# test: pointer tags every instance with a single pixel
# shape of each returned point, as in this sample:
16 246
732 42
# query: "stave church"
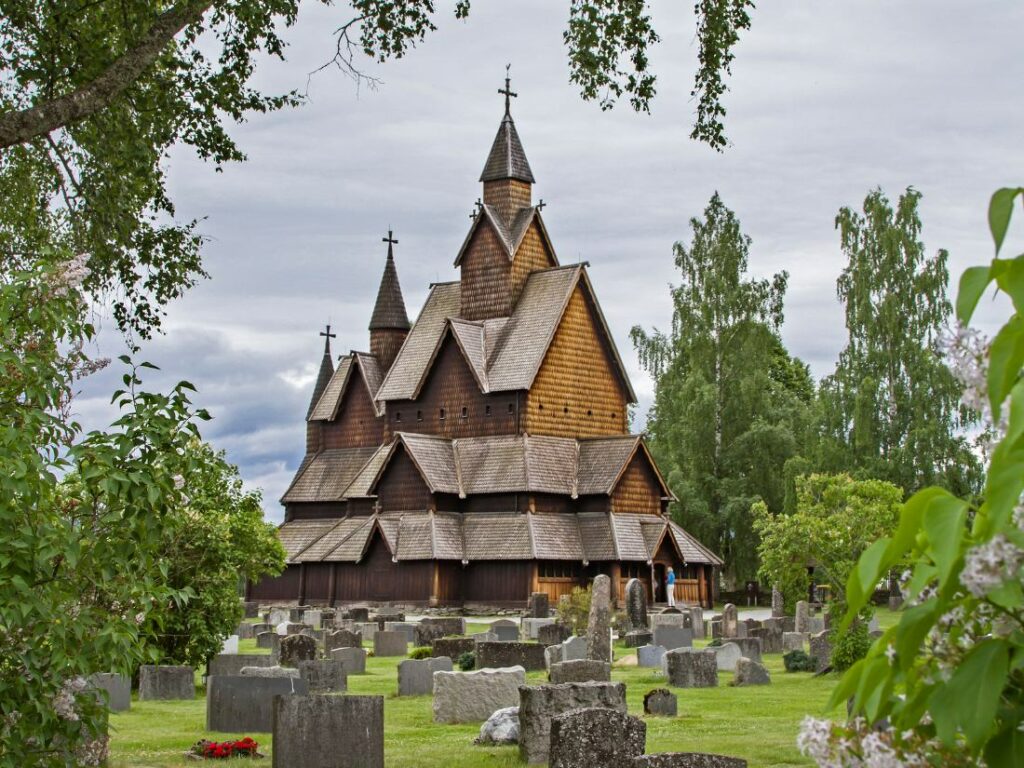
482 453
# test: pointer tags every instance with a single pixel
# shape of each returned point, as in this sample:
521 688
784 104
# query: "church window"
487 410
565 409
419 415
465 411
555 570
510 411
442 414
398 416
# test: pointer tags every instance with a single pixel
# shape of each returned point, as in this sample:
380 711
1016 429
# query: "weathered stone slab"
529 656
726 656
278 616
595 738
118 690
166 683
390 643
260 627
505 630
295 614
803 617
450 625
793 641
416 676
359 613
686 760
778 603
245 631
328 731
453 647
296 648
250 609
368 629
539 606
730 622
553 634
342 638
636 604
352 659
575 648
532 626
749 646
313 617
650 656
821 650
230 665
751 673
599 624
274 671
697 620
409 630
661 702
236 704
538 704
637 637
670 637
580 671
691 668
500 728
324 675
552 655
468 697
270 640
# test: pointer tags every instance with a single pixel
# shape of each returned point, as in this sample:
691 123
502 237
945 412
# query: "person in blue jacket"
670 586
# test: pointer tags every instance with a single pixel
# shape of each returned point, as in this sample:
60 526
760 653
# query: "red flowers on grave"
220 750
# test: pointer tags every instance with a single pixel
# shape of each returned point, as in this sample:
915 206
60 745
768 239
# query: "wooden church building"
483 452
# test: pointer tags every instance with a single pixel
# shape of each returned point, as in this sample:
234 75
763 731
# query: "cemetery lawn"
758 724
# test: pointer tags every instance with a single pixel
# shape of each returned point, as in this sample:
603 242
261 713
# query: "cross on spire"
507 90
541 205
390 240
327 339
476 209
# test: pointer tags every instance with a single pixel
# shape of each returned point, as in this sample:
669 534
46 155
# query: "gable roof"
507 159
603 461
329 403
510 234
327 474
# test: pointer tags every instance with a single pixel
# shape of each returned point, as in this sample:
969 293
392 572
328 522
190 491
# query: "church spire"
325 373
389 323
507 159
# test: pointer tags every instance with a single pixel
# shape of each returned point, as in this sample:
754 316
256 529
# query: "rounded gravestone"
595 737
750 672
296 648
661 702
636 604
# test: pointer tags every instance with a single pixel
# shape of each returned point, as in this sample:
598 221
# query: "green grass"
758 724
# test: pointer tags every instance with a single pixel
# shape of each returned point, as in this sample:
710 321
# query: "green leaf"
861 584
945 523
973 283
970 699
1000 209
914 626
1006 355
1006 749
1010 280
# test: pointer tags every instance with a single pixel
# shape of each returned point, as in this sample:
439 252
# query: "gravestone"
686 760
750 673
278 616
821 650
770 637
251 609
552 655
230 644
273 671
324 675
295 614
452 625
599 641
452 647
650 656
270 640
595 738
789 624
484 637
352 659
636 604
778 603
236 704
691 668
468 697
661 702
359 614
328 731
730 623
425 634
505 630
726 656
803 617
793 641
531 627
529 656
166 683
118 690
416 676
230 665
293 628
538 704
261 627
697 621
670 638
296 648
580 671
409 630
245 631
749 647
368 629
553 634
390 644
670 609
314 618
342 638
500 729
637 637
539 606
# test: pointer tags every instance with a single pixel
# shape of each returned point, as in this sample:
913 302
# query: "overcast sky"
828 100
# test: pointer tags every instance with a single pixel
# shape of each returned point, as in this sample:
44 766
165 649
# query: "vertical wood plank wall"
638 490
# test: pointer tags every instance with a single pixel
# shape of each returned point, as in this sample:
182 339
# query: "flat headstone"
532 627
469 697
342 638
295 614
553 633
599 644
245 631
691 668
293 628
450 625
274 671
697 620
793 641
390 644
552 655
714 627
324 675
636 604
313 618
236 704
402 626
250 609
821 650
278 616
368 629
637 637
230 665
750 673
686 760
452 647
416 676
580 671
726 656
661 702
270 640
166 683
575 648
500 729
650 656
539 606
230 644
505 630
670 637
749 646
352 659
118 689
730 622
803 616
529 656
359 613
595 738
538 704
296 648
328 731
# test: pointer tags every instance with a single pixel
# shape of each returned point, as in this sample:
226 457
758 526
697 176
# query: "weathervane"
507 90
327 339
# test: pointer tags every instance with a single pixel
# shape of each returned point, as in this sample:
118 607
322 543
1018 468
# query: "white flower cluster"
991 564
966 353
72 275
857 746
64 703
94 751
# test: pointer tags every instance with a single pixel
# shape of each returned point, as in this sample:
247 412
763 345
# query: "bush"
466 661
715 642
798 661
421 652
850 646
574 610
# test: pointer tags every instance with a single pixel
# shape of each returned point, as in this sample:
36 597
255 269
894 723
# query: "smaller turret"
389 324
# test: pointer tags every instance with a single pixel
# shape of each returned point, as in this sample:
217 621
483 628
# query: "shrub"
466 661
798 661
850 646
715 642
421 652
574 610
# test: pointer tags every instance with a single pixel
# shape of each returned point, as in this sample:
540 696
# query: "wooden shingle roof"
507 159
389 309
296 535
368 371
327 474
510 234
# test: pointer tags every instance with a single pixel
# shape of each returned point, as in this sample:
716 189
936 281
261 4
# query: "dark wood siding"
485 276
318 582
283 587
314 510
401 487
357 423
497 581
